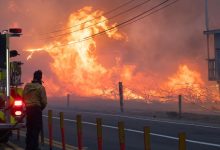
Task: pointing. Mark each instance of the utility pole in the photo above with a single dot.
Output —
(121, 96)
(207, 27)
(180, 106)
(214, 63)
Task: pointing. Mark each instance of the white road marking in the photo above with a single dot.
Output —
(153, 120)
(141, 132)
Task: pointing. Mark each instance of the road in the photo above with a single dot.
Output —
(163, 132)
(19, 144)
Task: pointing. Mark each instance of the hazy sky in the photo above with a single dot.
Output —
(157, 44)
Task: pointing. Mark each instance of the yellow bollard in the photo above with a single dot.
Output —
(147, 145)
(99, 133)
(50, 113)
(121, 131)
(62, 130)
(182, 141)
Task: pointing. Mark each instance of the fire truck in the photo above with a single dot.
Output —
(12, 108)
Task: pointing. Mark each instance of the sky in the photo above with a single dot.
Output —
(154, 46)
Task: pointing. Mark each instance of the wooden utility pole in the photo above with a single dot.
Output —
(180, 106)
(121, 96)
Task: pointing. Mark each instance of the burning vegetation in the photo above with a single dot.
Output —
(78, 70)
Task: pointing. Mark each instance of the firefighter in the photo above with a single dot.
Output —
(36, 100)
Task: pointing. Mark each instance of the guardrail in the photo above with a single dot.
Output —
(121, 134)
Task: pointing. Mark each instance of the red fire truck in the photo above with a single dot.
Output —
(11, 102)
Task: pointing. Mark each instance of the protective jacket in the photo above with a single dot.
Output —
(35, 95)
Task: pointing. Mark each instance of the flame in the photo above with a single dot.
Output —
(75, 65)
(78, 71)
(185, 82)
(185, 76)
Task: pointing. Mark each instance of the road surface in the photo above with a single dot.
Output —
(164, 133)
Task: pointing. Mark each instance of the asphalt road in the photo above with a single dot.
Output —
(164, 133)
(19, 144)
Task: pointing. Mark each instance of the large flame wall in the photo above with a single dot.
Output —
(79, 71)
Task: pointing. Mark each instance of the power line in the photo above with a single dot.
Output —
(123, 23)
(153, 12)
(110, 18)
(104, 31)
(106, 13)
(109, 29)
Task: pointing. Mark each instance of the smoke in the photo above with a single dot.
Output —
(156, 45)
(171, 37)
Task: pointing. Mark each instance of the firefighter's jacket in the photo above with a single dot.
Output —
(35, 95)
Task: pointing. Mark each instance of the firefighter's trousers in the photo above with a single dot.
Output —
(34, 126)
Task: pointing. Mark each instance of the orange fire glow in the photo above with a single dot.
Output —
(185, 76)
(75, 65)
(185, 81)
(78, 71)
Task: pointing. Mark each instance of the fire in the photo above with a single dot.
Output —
(185, 77)
(75, 65)
(77, 69)
(186, 82)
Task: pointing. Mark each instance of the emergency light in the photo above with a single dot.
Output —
(18, 113)
(14, 32)
(17, 108)
(18, 103)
